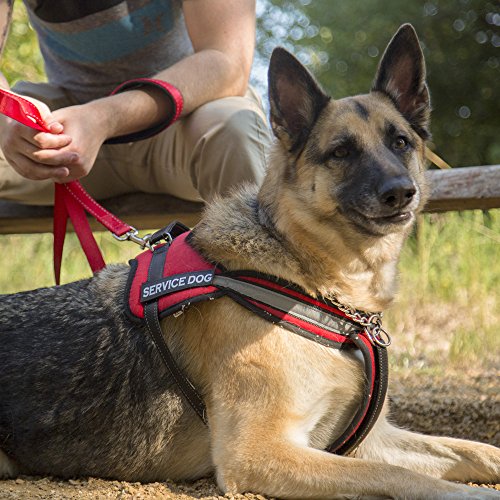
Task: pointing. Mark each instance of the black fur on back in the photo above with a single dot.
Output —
(81, 384)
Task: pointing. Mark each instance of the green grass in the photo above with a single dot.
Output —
(27, 259)
(448, 305)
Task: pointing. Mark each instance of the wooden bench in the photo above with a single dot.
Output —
(454, 189)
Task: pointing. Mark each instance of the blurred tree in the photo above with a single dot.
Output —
(21, 59)
(341, 41)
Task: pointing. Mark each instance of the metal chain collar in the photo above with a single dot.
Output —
(371, 323)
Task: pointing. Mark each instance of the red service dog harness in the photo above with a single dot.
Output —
(169, 278)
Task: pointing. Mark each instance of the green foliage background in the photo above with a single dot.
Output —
(342, 41)
(21, 58)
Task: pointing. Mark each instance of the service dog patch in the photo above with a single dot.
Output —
(176, 283)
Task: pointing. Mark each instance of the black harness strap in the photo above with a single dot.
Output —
(371, 406)
(376, 404)
(154, 328)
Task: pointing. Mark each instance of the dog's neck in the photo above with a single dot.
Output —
(254, 232)
(358, 270)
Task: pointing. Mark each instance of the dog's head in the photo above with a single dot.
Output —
(357, 161)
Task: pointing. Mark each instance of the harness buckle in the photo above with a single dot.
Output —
(168, 233)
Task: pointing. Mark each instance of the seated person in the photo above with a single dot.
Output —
(132, 140)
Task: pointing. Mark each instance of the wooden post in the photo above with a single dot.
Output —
(464, 188)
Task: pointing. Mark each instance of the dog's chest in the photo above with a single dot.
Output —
(327, 389)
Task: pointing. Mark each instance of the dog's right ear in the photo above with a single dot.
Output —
(295, 99)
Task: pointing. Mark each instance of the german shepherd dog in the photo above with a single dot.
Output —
(83, 390)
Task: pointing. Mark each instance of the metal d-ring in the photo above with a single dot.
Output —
(374, 334)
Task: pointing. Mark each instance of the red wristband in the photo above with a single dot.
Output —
(173, 94)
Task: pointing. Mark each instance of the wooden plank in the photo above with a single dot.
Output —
(141, 210)
(455, 189)
(464, 188)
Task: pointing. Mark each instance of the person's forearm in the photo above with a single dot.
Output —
(4, 84)
(202, 77)
(205, 76)
(130, 111)
(5, 17)
(222, 33)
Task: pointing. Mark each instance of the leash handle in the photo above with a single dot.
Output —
(22, 110)
(70, 199)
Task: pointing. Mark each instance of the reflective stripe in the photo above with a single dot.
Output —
(287, 304)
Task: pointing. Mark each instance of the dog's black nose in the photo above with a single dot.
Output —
(397, 192)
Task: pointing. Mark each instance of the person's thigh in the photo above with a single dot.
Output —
(219, 146)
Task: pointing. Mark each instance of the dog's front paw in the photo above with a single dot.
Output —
(478, 463)
(472, 493)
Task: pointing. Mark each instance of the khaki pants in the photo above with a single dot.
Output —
(214, 149)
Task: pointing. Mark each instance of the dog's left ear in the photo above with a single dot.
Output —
(295, 99)
(401, 75)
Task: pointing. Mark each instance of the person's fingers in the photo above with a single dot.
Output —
(45, 140)
(51, 123)
(55, 127)
(37, 171)
(77, 169)
(54, 157)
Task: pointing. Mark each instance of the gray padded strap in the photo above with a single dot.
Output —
(287, 304)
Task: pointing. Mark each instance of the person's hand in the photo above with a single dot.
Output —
(33, 154)
(86, 126)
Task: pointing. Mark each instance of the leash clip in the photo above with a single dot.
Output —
(133, 235)
(167, 234)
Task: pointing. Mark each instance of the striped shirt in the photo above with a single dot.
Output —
(90, 47)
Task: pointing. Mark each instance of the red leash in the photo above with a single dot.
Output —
(71, 200)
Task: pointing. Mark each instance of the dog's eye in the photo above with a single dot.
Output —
(340, 152)
(400, 143)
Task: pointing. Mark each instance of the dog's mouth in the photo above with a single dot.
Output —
(379, 225)
(397, 218)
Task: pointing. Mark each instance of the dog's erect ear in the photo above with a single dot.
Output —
(295, 98)
(401, 75)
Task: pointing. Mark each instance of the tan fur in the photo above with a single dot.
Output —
(275, 399)
(7, 467)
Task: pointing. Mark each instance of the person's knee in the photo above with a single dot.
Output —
(231, 151)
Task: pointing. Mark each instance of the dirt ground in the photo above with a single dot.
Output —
(465, 405)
